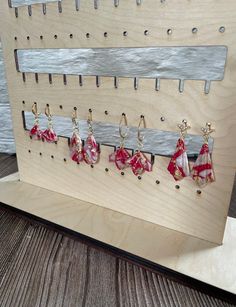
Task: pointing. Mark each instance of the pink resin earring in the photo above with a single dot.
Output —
(121, 156)
(202, 171)
(49, 135)
(35, 132)
(75, 140)
(139, 163)
(91, 149)
(179, 166)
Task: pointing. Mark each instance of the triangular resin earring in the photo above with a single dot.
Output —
(49, 135)
(35, 132)
(139, 162)
(179, 166)
(91, 149)
(202, 171)
(75, 140)
(120, 156)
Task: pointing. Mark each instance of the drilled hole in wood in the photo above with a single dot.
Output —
(75, 108)
(122, 173)
(29, 151)
(222, 29)
(47, 104)
(55, 36)
(125, 33)
(169, 31)
(199, 192)
(194, 30)
(23, 102)
(61, 107)
(87, 35)
(92, 166)
(40, 154)
(157, 181)
(105, 34)
(146, 32)
(139, 177)
(15, 38)
(106, 112)
(28, 37)
(162, 118)
(71, 35)
(41, 36)
(64, 159)
(52, 156)
(177, 187)
(106, 169)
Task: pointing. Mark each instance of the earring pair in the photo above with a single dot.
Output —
(139, 163)
(89, 153)
(48, 135)
(202, 170)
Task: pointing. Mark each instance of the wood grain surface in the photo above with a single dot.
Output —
(43, 267)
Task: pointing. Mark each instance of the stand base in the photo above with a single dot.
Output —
(202, 260)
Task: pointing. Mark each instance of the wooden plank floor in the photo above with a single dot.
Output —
(40, 266)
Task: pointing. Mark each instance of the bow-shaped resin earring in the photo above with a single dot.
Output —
(91, 149)
(121, 156)
(179, 166)
(49, 135)
(139, 162)
(35, 132)
(202, 171)
(75, 140)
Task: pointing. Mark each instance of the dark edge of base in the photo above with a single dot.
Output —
(136, 260)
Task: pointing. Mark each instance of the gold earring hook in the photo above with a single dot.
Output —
(47, 111)
(35, 109)
(184, 127)
(206, 132)
(141, 137)
(123, 120)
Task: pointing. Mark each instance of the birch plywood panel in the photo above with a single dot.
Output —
(183, 209)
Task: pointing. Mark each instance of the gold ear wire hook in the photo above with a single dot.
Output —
(206, 132)
(141, 137)
(123, 119)
(184, 127)
(47, 111)
(35, 109)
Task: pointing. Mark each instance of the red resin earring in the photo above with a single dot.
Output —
(121, 156)
(202, 171)
(179, 166)
(49, 135)
(75, 141)
(139, 162)
(91, 149)
(35, 132)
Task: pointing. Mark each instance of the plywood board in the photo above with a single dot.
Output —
(204, 215)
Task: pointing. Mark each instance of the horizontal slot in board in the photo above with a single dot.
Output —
(156, 142)
(181, 63)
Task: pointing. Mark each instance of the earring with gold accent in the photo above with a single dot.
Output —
(75, 140)
(202, 171)
(179, 166)
(49, 135)
(35, 132)
(91, 152)
(139, 162)
(121, 156)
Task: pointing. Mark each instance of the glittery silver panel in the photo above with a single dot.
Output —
(6, 133)
(17, 3)
(155, 141)
(191, 63)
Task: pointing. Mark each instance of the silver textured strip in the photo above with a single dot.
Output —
(182, 63)
(157, 142)
(18, 3)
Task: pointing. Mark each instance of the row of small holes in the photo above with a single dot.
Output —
(125, 33)
(122, 173)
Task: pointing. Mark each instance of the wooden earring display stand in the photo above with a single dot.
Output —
(173, 227)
